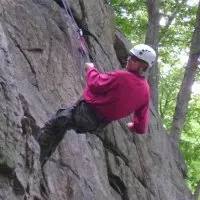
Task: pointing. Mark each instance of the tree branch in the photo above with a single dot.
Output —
(188, 80)
(171, 18)
(152, 39)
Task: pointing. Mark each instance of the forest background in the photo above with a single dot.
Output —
(172, 27)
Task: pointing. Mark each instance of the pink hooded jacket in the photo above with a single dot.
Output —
(117, 94)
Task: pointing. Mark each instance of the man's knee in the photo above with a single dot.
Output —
(64, 118)
(62, 112)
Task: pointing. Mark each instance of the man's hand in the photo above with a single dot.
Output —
(130, 125)
(88, 66)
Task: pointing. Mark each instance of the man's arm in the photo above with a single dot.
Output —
(140, 121)
(99, 82)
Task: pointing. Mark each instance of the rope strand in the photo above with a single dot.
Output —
(77, 30)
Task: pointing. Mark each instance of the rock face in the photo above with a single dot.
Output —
(39, 71)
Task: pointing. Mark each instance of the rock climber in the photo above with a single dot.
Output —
(106, 97)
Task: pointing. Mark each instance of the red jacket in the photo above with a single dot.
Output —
(117, 94)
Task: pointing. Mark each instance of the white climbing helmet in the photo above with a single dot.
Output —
(144, 52)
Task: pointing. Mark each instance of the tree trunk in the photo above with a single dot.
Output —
(152, 39)
(189, 78)
(197, 191)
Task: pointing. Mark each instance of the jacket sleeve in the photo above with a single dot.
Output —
(141, 119)
(100, 82)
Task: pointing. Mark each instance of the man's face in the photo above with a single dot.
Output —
(133, 64)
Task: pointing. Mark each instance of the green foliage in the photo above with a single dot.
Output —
(190, 138)
(190, 141)
(170, 80)
(169, 86)
(131, 18)
(127, 15)
(177, 37)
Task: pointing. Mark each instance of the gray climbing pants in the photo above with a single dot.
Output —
(79, 117)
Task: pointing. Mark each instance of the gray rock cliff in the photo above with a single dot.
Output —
(39, 72)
